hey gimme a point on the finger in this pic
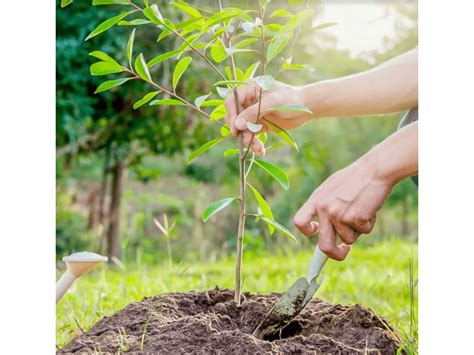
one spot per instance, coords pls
(347, 234)
(255, 145)
(304, 219)
(327, 240)
(364, 226)
(253, 113)
(247, 115)
(245, 95)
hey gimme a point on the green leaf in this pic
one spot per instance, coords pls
(216, 207)
(231, 152)
(135, 22)
(204, 148)
(199, 100)
(230, 51)
(266, 210)
(180, 69)
(218, 52)
(297, 20)
(110, 2)
(141, 68)
(231, 82)
(167, 102)
(265, 81)
(187, 8)
(218, 113)
(223, 92)
(281, 13)
(208, 103)
(162, 57)
(165, 33)
(289, 66)
(280, 228)
(245, 42)
(291, 108)
(105, 57)
(145, 99)
(225, 130)
(222, 16)
(250, 72)
(189, 40)
(282, 133)
(275, 147)
(110, 84)
(153, 14)
(65, 3)
(104, 26)
(277, 44)
(104, 68)
(276, 172)
(324, 25)
(130, 47)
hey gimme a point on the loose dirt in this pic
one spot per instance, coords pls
(211, 323)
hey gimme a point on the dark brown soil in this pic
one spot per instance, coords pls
(211, 323)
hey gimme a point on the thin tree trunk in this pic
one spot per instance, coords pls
(103, 193)
(113, 233)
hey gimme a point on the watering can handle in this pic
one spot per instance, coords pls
(317, 262)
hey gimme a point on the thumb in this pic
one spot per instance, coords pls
(247, 115)
(251, 114)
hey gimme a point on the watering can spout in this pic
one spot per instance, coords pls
(77, 264)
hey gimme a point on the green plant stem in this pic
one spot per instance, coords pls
(242, 182)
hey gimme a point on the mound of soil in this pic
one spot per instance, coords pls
(211, 323)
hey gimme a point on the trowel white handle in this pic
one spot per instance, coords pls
(317, 262)
(63, 284)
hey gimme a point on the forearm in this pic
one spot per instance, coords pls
(396, 157)
(390, 87)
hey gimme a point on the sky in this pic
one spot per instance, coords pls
(362, 25)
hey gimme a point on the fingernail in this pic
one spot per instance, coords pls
(240, 123)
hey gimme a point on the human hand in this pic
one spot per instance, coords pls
(346, 204)
(280, 95)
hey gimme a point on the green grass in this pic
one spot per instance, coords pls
(376, 276)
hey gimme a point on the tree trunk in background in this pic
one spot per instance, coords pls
(103, 192)
(113, 233)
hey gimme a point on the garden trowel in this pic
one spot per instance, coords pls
(294, 300)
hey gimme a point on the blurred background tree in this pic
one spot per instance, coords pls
(118, 168)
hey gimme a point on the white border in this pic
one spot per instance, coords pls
(27, 192)
(446, 177)
(27, 178)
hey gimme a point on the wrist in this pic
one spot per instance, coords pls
(376, 165)
(317, 97)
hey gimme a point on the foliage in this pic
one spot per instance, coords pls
(72, 233)
(226, 32)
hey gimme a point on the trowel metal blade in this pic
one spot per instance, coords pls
(313, 287)
(288, 306)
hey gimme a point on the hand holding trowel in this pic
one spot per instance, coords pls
(294, 300)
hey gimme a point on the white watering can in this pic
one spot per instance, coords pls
(77, 264)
